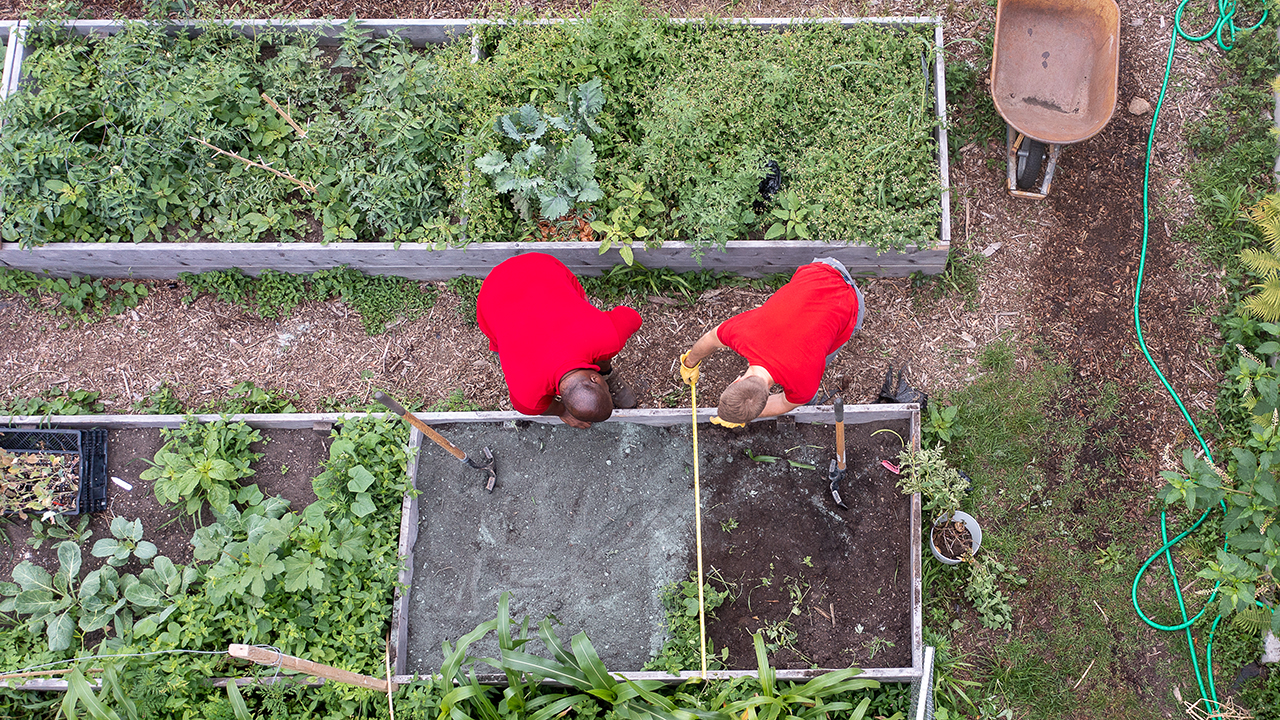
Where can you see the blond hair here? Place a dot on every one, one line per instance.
(743, 400)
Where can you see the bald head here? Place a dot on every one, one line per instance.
(585, 395)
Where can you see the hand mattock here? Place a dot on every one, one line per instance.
(836, 472)
(440, 440)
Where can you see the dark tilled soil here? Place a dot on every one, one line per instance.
(840, 580)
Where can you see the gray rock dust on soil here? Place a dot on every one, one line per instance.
(585, 526)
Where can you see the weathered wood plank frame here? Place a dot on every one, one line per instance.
(824, 414)
(752, 258)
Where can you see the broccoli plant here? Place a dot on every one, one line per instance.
(557, 169)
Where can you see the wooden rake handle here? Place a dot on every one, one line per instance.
(424, 428)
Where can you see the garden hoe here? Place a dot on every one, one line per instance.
(440, 440)
(836, 472)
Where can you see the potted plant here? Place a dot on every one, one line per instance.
(954, 534)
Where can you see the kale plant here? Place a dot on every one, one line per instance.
(558, 170)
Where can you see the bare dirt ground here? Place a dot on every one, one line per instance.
(1058, 274)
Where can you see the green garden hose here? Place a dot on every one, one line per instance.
(1224, 31)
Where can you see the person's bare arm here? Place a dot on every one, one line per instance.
(705, 345)
(777, 405)
(557, 409)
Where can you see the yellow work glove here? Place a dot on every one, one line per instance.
(688, 374)
(715, 420)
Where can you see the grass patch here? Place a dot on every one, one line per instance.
(1052, 504)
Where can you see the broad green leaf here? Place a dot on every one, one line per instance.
(544, 668)
(363, 505)
(775, 230)
(360, 480)
(35, 602)
(220, 469)
(143, 595)
(32, 577)
(105, 547)
(589, 662)
(303, 571)
(340, 448)
(556, 707)
(61, 631)
(145, 550)
(238, 707)
(69, 558)
(219, 498)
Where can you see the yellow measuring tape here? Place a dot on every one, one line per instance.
(697, 528)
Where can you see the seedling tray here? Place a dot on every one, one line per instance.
(89, 445)
(589, 526)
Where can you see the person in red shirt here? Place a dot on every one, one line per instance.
(556, 349)
(788, 341)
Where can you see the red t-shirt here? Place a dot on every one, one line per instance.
(794, 331)
(537, 318)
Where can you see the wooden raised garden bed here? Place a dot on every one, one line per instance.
(617, 536)
(419, 260)
(591, 527)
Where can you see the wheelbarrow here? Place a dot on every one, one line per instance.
(1054, 70)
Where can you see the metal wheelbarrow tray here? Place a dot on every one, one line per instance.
(1054, 71)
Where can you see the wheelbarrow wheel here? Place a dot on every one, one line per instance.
(1030, 161)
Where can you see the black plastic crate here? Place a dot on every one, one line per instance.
(91, 445)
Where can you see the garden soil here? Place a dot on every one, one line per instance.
(290, 459)
(589, 528)
(1054, 279)
(824, 586)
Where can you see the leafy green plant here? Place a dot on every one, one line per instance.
(927, 472)
(202, 462)
(84, 298)
(246, 397)
(983, 591)
(126, 541)
(559, 172)
(1265, 305)
(58, 401)
(682, 650)
(729, 525)
(792, 218)
(456, 401)
(1111, 558)
(942, 425)
(50, 600)
(161, 401)
(59, 529)
(635, 210)
(57, 604)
